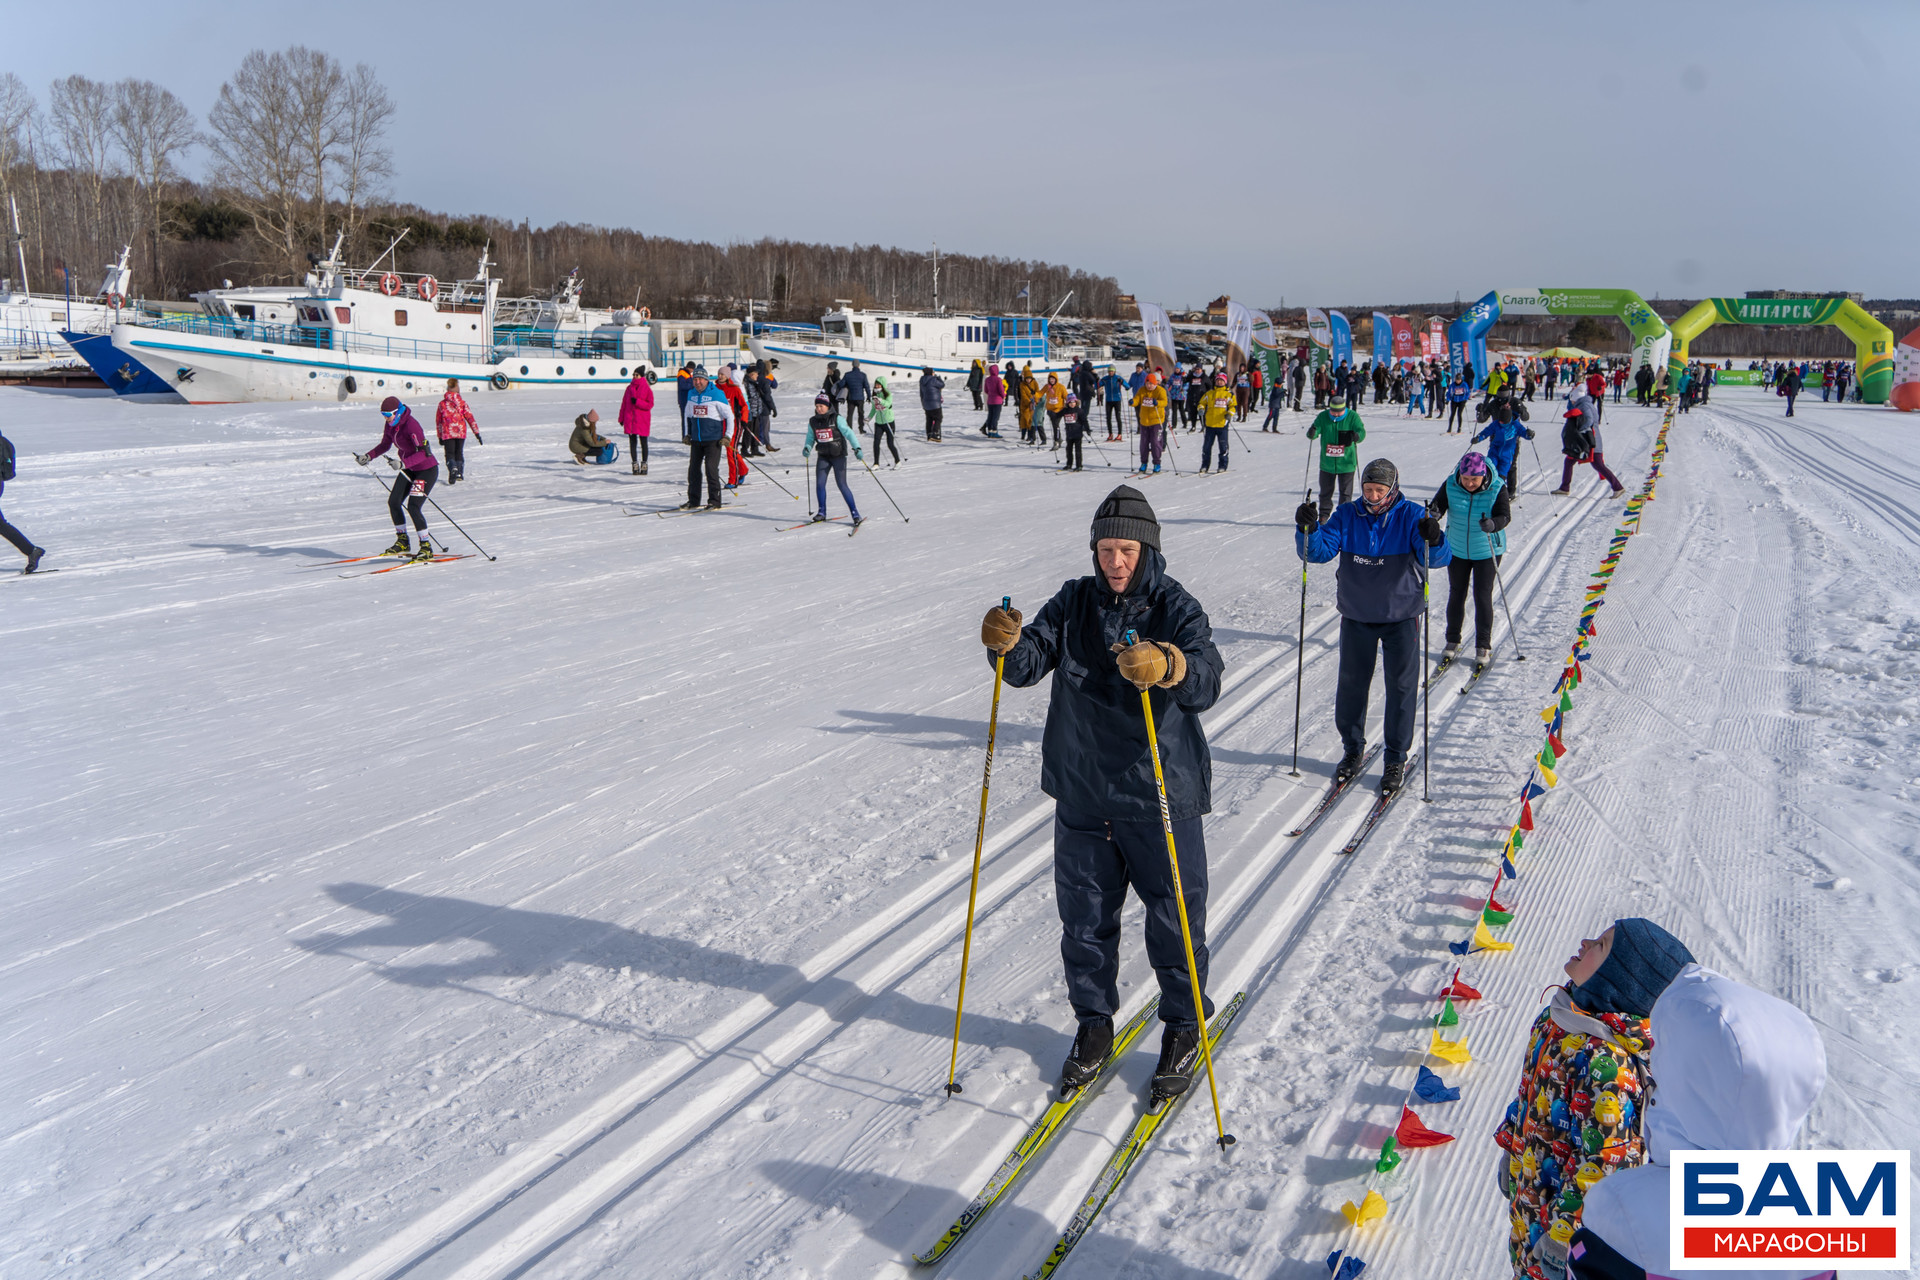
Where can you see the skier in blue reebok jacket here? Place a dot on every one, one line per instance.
(1386, 543)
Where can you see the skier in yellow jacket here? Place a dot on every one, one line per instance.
(1216, 414)
(1150, 407)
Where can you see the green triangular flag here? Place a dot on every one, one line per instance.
(1448, 1017)
(1389, 1158)
(1519, 841)
(1566, 701)
(1546, 755)
(1497, 917)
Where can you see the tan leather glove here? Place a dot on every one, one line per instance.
(1151, 664)
(1000, 631)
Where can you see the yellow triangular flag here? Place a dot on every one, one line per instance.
(1548, 776)
(1372, 1206)
(1484, 941)
(1452, 1050)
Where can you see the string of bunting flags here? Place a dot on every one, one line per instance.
(1429, 1087)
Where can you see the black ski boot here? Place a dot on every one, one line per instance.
(33, 559)
(1179, 1046)
(819, 517)
(1092, 1046)
(424, 553)
(1349, 765)
(1393, 776)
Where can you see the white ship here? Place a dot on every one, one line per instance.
(370, 334)
(32, 324)
(905, 342)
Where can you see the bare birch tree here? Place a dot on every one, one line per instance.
(153, 127)
(259, 154)
(319, 112)
(363, 161)
(81, 113)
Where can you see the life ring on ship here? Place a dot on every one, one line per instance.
(646, 313)
(390, 284)
(114, 300)
(499, 381)
(428, 288)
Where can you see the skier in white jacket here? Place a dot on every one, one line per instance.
(1734, 1069)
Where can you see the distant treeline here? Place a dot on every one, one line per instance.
(297, 154)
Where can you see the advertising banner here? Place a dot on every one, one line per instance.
(1239, 339)
(1266, 346)
(1382, 338)
(1158, 332)
(1403, 346)
(1342, 339)
(1795, 1210)
(1433, 343)
(1320, 334)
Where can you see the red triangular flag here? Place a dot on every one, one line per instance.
(1460, 991)
(1494, 906)
(1559, 747)
(1526, 815)
(1411, 1133)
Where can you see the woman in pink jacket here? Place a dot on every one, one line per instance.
(453, 420)
(996, 390)
(636, 419)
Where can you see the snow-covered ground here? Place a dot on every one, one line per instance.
(596, 911)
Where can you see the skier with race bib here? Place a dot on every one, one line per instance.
(418, 471)
(830, 441)
(1340, 432)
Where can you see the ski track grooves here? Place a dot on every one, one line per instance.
(886, 948)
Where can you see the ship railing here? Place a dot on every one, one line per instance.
(27, 344)
(508, 345)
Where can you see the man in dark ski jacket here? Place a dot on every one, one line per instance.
(1386, 543)
(1095, 765)
(931, 385)
(855, 389)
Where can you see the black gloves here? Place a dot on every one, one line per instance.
(1430, 530)
(1527, 432)
(1306, 517)
(1486, 524)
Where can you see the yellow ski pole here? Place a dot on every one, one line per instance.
(979, 842)
(1180, 900)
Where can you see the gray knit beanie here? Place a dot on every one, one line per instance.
(1381, 471)
(1124, 513)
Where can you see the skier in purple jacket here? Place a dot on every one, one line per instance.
(418, 471)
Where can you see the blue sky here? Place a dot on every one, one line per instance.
(1330, 153)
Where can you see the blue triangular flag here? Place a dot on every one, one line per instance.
(1460, 948)
(1506, 868)
(1533, 789)
(1431, 1088)
(1346, 1268)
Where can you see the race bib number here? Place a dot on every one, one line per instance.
(701, 411)
(419, 488)
(1336, 451)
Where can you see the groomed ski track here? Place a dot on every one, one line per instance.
(636, 955)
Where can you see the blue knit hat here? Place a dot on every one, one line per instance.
(1644, 959)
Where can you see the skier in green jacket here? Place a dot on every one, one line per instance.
(1339, 431)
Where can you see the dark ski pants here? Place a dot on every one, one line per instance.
(837, 468)
(1327, 479)
(1399, 643)
(1116, 425)
(704, 454)
(21, 542)
(977, 401)
(637, 448)
(1094, 860)
(933, 423)
(1479, 573)
(455, 449)
(1210, 437)
(884, 431)
(1055, 417)
(1074, 451)
(1152, 437)
(993, 421)
(408, 497)
(857, 415)
(1599, 464)
(1454, 415)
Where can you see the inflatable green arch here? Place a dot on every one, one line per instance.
(1872, 341)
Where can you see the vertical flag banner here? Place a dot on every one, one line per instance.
(1434, 344)
(1342, 339)
(1158, 332)
(1239, 339)
(1266, 344)
(1402, 338)
(1320, 334)
(1382, 338)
